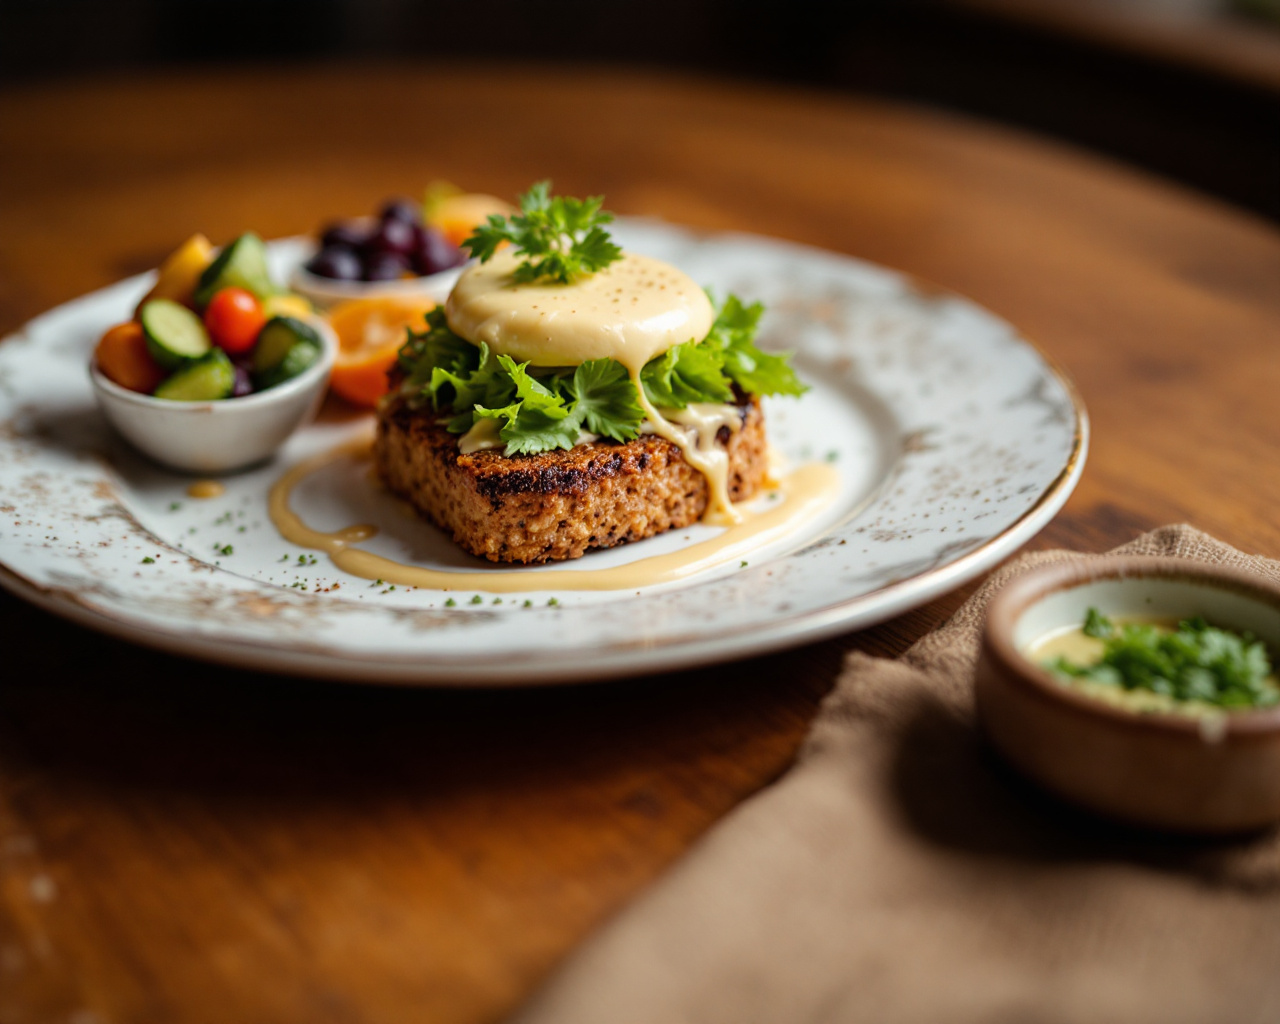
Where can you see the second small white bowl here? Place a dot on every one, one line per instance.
(218, 437)
(325, 292)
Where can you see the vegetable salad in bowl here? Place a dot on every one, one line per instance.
(213, 327)
(218, 366)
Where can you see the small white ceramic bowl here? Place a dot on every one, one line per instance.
(1209, 774)
(325, 292)
(217, 437)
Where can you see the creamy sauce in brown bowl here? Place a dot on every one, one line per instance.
(1203, 770)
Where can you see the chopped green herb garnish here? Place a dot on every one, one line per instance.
(1195, 662)
(1097, 625)
(528, 603)
(742, 564)
(552, 602)
(450, 603)
(224, 549)
(148, 560)
(561, 238)
(174, 506)
(477, 599)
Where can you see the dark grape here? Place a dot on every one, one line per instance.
(432, 252)
(391, 236)
(396, 244)
(337, 262)
(344, 232)
(243, 382)
(402, 210)
(384, 266)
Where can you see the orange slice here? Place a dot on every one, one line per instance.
(370, 333)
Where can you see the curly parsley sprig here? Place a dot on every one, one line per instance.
(562, 238)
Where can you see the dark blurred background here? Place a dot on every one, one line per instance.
(1189, 89)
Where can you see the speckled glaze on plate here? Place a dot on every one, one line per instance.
(956, 442)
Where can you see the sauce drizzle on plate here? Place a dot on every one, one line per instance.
(806, 493)
(206, 489)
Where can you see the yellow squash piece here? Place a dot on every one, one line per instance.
(286, 304)
(179, 273)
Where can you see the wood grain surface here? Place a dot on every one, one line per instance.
(186, 843)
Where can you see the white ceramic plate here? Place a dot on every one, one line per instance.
(955, 440)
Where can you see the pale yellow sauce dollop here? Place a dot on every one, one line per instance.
(807, 493)
(631, 311)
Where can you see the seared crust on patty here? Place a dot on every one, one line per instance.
(556, 505)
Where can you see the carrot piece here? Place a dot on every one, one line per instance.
(122, 357)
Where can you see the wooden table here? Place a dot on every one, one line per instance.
(186, 843)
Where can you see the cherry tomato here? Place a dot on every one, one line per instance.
(234, 317)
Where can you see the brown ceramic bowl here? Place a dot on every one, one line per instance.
(1214, 774)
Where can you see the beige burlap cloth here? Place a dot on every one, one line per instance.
(899, 872)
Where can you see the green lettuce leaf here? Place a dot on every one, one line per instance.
(755, 371)
(542, 409)
(684, 374)
(605, 397)
(539, 419)
(436, 346)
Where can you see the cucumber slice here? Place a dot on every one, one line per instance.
(297, 359)
(207, 380)
(277, 338)
(241, 264)
(175, 335)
